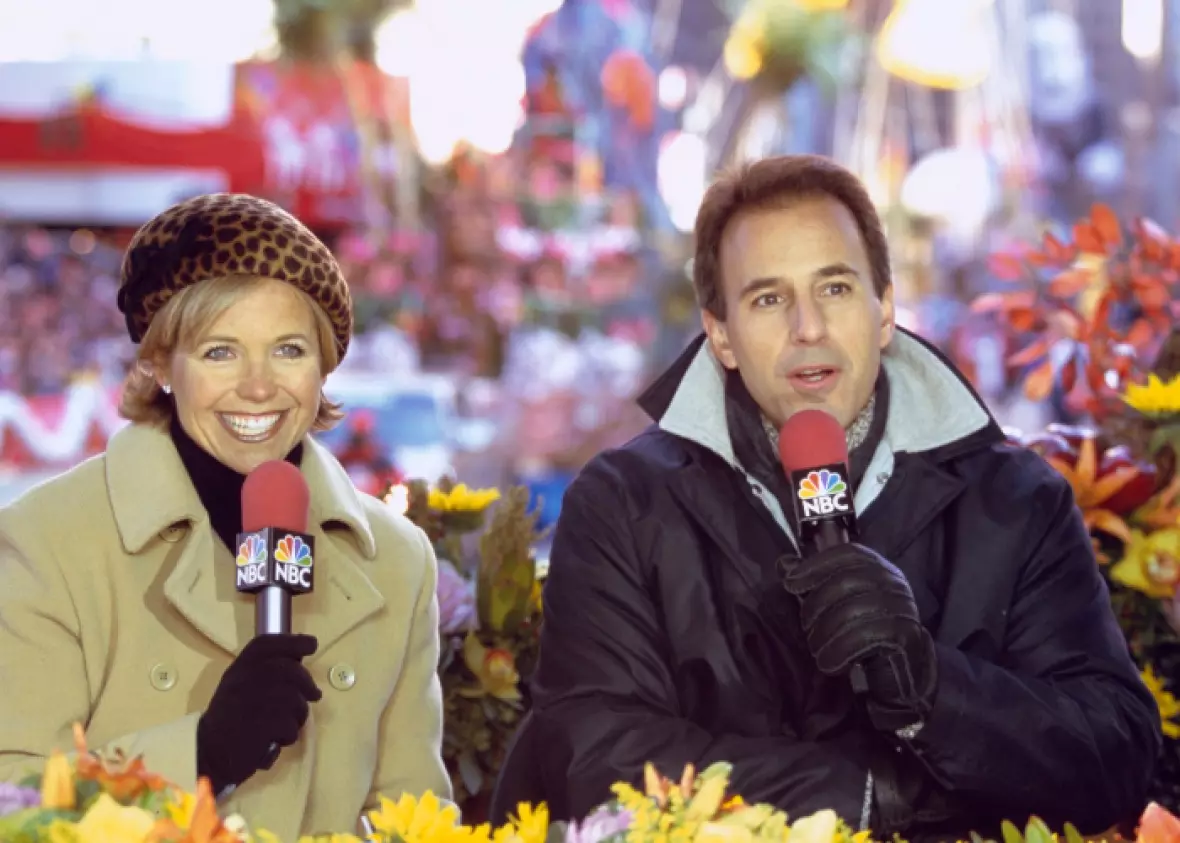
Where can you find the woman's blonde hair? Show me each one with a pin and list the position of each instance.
(182, 321)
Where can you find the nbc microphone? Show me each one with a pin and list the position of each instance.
(814, 456)
(276, 555)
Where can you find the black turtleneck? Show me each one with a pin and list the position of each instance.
(218, 486)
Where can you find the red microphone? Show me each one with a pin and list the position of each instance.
(276, 555)
(814, 456)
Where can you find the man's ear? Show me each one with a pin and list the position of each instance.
(888, 317)
(718, 335)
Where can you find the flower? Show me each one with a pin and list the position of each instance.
(456, 600)
(532, 824)
(1156, 398)
(495, 668)
(1168, 705)
(462, 499)
(604, 823)
(57, 783)
(1150, 563)
(14, 798)
(109, 822)
(425, 820)
(1157, 825)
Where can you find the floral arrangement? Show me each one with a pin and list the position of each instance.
(101, 800)
(489, 619)
(1090, 315)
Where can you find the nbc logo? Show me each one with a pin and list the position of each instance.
(251, 552)
(823, 492)
(294, 550)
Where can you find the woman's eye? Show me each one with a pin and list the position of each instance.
(291, 350)
(217, 352)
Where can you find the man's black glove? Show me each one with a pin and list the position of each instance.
(857, 608)
(259, 707)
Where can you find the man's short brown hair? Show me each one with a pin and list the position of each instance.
(769, 183)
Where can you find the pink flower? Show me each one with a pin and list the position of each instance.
(456, 600)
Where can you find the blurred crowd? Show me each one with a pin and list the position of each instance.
(58, 317)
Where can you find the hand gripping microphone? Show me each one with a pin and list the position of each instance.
(276, 556)
(814, 456)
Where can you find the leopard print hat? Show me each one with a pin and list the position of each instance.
(223, 234)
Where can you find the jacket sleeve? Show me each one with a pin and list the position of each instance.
(45, 677)
(604, 694)
(409, 758)
(1060, 725)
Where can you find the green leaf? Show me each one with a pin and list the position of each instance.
(1072, 835)
(1011, 833)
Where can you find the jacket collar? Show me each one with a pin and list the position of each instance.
(932, 408)
(150, 490)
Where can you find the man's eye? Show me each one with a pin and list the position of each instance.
(767, 300)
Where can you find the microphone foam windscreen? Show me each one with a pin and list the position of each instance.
(810, 439)
(275, 494)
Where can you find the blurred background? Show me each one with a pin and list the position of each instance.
(509, 186)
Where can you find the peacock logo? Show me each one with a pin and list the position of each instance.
(821, 484)
(294, 550)
(251, 552)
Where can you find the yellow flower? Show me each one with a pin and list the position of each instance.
(331, 838)
(724, 833)
(1150, 563)
(494, 667)
(61, 831)
(181, 808)
(109, 822)
(462, 499)
(1156, 398)
(57, 783)
(820, 827)
(532, 824)
(425, 820)
(1169, 706)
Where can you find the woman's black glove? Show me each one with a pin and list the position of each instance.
(259, 707)
(857, 608)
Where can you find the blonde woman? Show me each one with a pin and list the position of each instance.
(117, 601)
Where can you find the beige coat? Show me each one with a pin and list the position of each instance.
(118, 610)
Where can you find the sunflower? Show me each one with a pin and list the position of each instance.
(1156, 398)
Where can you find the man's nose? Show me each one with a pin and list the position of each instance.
(808, 325)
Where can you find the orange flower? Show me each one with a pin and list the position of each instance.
(1093, 492)
(205, 826)
(125, 780)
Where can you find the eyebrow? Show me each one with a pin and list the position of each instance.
(231, 340)
(832, 270)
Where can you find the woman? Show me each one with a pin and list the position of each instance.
(118, 606)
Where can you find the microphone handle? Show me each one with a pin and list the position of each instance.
(829, 534)
(272, 615)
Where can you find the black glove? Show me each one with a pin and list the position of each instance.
(259, 707)
(857, 608)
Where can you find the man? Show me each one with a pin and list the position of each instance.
(682, 625)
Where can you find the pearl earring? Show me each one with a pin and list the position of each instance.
(167, 389)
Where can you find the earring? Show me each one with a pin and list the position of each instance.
(167, 389)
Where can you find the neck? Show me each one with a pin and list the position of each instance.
(217, 485)
(856, 434)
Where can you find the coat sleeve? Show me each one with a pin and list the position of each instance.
(46, 679)
(1060, 725)
(604, 694)
(409, 757)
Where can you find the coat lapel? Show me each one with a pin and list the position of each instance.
(153, 500)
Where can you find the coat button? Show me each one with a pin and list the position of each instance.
(172, 534)
(342, 677)
(163, 677)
